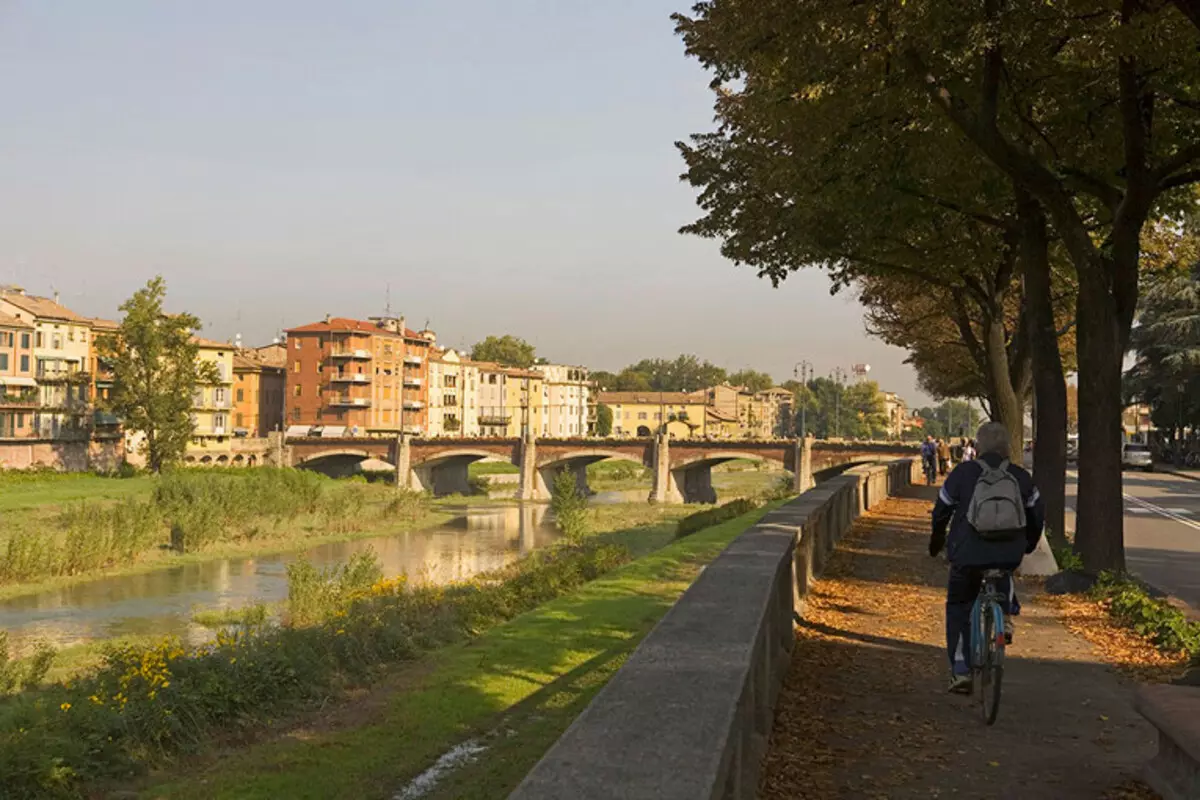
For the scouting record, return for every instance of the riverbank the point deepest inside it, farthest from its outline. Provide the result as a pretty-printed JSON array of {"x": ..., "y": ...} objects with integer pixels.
[{"x": 506, "y": 695}]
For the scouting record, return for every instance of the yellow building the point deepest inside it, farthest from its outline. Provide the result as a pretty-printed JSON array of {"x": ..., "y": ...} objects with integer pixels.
[
  {"x": 524, "y": 400},
  {"x": 212, "y": 403},
  {"x": 642, "y": 414}
]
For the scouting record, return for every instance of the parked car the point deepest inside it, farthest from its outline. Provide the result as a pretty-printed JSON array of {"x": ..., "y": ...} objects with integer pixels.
[
  {"x": 1138, "y": 456},
  {"x": 1072, "y": 449}
]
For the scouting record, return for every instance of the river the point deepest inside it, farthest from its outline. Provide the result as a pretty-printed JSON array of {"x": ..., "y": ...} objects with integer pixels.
[{"x": 162, "y": 602}]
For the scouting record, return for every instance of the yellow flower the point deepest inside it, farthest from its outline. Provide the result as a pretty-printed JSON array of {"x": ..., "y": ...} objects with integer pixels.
[
  {"x": 165, "y": 684},
  {"x": 233, "y": 660},
  {"x": 65, "y": 706},
  {"x": 340, "y": 631}
]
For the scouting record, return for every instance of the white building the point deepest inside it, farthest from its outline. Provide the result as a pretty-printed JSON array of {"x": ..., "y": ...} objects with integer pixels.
[
  {"x": 453, "y": 395},
  {"x": 566, "y": 396}
]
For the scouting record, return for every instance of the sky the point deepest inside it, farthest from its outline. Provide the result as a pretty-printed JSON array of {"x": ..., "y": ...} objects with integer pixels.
[{"x": 487, "y": 167}]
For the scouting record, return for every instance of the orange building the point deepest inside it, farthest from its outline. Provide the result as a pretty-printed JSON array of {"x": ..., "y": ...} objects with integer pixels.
[
  {"x": 18, "y": 387},
  {"x": 358, "y": 377},
  {"x": 259, "y": 384}
]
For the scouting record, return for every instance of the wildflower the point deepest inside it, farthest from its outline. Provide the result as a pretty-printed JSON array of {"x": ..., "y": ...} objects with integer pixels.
[
  {"x": 233, "y": 660},
  {"x": 65, "y": 706},
  {"x": 96, "y": 700}
]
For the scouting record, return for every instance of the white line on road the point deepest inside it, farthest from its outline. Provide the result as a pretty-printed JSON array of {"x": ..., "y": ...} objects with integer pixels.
[{"x": 1166, "y": 512}]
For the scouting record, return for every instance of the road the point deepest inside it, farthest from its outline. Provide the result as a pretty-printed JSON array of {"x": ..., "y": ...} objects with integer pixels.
[{"x": 1162, "y": 530}]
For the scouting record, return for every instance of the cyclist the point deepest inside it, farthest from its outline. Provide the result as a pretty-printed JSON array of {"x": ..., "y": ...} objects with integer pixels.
[
  {"x": 970, "y": 554},
  {"x": 929, "y": 458}
]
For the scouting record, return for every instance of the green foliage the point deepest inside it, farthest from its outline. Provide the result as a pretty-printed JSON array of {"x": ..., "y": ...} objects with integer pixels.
[
  {"x": 1153, "y": 617},
  {"x": 1066, "y": 558},
  {"x": 17, "y": 676},
  {"x": 715, "y": 516},
  {"x": 753, "y": 380},
  {"x": 1167, "y": 340},
  {"x": 951, "y": 418},
  {"x": 509, "y": 350},
  {"x": 317, "y": 595},
  {"x": 833, "y": 409},
  {"x": 604, "y": 420},
  {"x": 156, "y": 371},
  {"x": 407, "y": 505},
  {"x": 568, "y": 505},
  {"x": 146, "y": 703},
  {"x": 251, "y": 616}
]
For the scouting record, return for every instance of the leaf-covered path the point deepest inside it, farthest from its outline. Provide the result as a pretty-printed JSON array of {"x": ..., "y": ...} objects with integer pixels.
[{"x": 864, "y": 712}]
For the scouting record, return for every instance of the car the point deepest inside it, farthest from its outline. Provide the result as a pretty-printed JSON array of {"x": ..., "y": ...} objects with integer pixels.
[
  {"x": 1138, "y": 456},
  {"x": 1072, "y": 449}
]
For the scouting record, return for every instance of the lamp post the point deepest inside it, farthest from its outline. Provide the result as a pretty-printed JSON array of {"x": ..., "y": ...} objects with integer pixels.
[
  {"x": 839, "y": 376},
  {"x": 803, "y": 372}
]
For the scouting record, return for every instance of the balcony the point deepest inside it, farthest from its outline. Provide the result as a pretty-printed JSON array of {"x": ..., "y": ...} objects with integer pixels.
[
  {"x": 412, "y": 380},
  {"x": 347, "y": 352},
  {"x": 27, "y": 400},
  {"x": 65, "y": 372},
  {"x": 344, "y": 401},
  {"x": 495, "y": 419},
  {"x": 357, "y": 377},
  {"x": 105, "y": 419},
  {"x": 413, "y": 405},
  {"x": 414, "y": 361}
]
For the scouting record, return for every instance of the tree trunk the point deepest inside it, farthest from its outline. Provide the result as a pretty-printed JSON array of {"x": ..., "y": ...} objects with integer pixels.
[
  {"x": 1050, "y": 385},
  {"x": 1008, "y": 403},
  {"x": 1099, "y": 528}
]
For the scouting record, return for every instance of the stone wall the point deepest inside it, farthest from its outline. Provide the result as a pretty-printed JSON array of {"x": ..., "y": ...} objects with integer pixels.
[
  {"x": 689, "y": 713},
  {"x": 67, "y": 456}
]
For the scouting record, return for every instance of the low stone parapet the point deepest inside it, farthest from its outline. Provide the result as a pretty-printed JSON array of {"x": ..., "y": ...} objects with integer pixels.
[
  {"x": 689, "y": 713},
  {"x": 1174, "y": 772}
]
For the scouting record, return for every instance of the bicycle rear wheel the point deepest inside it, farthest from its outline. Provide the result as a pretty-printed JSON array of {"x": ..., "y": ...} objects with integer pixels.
[{"x": 991, "y": 668}]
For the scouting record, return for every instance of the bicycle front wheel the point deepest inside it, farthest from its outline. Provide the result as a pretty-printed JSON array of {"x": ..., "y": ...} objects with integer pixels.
[{"x": 991, "y": 670}]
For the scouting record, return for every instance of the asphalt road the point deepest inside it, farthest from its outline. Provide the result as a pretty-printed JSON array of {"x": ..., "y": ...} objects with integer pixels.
[{"x": 1162, "y": 530}]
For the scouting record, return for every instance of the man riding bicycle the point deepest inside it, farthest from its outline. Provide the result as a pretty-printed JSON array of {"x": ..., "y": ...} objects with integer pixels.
[{"x": 972, "y": 551}]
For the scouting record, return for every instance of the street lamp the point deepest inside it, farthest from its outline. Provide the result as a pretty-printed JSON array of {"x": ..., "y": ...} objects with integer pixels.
[
  {"x": 803, "y": 371},
  {"x": 839, "y": 377}
]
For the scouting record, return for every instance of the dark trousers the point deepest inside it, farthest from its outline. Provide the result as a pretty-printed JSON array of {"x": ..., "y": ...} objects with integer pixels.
[{"x": 962, "y": 587}]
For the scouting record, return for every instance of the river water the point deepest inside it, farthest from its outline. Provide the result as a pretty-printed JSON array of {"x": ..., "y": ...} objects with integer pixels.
[{"x": 162, "y": 602}]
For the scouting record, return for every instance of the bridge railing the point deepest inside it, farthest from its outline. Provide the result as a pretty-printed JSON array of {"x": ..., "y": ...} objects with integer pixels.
[{"x": 689, "y": 713}]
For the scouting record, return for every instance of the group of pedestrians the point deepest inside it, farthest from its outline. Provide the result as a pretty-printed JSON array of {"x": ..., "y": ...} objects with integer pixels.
[{"x": 938, "y": 455}]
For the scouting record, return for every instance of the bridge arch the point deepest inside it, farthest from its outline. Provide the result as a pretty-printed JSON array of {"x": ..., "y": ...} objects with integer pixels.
[
  {"x": 336, "y": 463},
  {"x": 712, "y": 458}
]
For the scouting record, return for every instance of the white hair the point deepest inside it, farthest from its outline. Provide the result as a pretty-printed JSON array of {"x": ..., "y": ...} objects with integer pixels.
[{"x": 993, "y": 438}]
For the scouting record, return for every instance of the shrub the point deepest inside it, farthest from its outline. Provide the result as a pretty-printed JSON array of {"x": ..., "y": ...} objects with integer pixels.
[
  {"x": 251, "y": 616},
  {"x": 406, "y": 504},
  {"x": 714, "y": 516},
  {"x": 1155, "y": 618},
  {"x": 16, "y": 675},
  {"x": 568, "y": 505},
  {"x": 316, "y": 595}
]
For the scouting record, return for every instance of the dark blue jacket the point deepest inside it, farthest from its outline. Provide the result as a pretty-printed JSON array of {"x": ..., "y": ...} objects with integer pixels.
[{"x": 964, "y": 546}]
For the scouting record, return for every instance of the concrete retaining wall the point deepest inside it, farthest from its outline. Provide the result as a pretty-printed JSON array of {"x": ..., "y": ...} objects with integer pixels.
[
  {"x": 64, "y": 455},
  {"x": 689, "y": 714}
]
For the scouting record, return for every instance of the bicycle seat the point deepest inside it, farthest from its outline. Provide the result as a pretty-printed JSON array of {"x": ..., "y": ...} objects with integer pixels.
[{"x": 996, "y": 573}]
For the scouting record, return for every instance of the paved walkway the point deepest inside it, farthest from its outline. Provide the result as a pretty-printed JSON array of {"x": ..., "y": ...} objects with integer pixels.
[{"x": 864, "y": 712}]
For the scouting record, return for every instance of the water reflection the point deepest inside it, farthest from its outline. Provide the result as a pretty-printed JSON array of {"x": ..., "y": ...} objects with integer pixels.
[{"x": 161, "y": 602}]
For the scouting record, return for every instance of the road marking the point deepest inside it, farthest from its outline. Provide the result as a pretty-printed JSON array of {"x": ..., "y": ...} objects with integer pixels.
[{"x": 1166, "y": 512}]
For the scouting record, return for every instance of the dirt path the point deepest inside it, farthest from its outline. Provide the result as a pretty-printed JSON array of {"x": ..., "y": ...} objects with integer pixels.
[{"x": 864, "y": 712}]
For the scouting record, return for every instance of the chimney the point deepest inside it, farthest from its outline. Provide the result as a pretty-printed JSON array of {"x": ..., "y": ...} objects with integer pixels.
[
  {"x": 56, "y": 296},
  {"x": 328, "y": 317}
]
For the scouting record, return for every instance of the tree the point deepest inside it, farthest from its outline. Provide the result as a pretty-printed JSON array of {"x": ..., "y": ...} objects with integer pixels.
[
  {"x": 603, "y": 380},
  {"x": 156, "y": 370},
  {"x": 1166, "y": 373},
  {"x": 1085, "y": 112},
  {"x": 604, "y": 420},
  {"x": 631, "y": 380},
  {"x": 508, "y": 350},
  {"x": 753, "y": 380}
]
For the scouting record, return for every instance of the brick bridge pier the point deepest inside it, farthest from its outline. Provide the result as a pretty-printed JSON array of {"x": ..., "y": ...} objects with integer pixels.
[{"x": 681, "y": 470}]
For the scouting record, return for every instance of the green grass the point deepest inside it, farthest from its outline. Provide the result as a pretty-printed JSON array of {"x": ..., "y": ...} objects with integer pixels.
[
  {"x": 35, "y": 495},
  {"x": 478, "y": 468},
  {"x": 516, "y": 688}
]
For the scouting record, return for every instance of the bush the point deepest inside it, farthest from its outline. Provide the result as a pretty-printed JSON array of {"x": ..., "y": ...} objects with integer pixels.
[
  {"x": 714, "y": 516},
  {"x": 316, "y": 595},
  {"x": 145, "y": 703},
  {"x": 1163, "y": 624},
  {"x": 568, "y": 505},
  {"x": 18, "y": 676},
  {"x": 407, "y": 505}
]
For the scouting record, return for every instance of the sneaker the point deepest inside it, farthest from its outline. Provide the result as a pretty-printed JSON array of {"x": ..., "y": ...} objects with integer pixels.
[
  {"x": 961, "y": 684},
  {"x": 1008, "y": 630}
]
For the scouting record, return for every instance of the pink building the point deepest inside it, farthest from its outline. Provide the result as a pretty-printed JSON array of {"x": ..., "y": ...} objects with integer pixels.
[{"x": 18, "y": 388}]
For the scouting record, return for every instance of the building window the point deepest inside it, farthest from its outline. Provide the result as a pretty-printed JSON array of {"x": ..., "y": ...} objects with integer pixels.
[
  {"x": 41, "y": 339},
  {"x": 296, "y": 390},
  {"x": 296, "y": 413},
  {"x": 296, "y": 365},
  {"x": 24, "y": 363},
  {"x": 56, "y": 341},
  {"x": 219, "y": 397},
  {"x": 70, "y": 334},
  {"x": 240, "y": 397},
  {"x": 24, "y": 341},
  {"x": 642, "y": 415},
  {"x": 239, "y": 420},
  {"x": 297, "y": 341},
  {"x": 6, "y": 339},
  {"x": 3, "y": 361}
]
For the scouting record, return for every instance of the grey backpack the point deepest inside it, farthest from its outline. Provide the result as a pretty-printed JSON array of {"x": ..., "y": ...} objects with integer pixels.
[{"x": 997, "y": 511}]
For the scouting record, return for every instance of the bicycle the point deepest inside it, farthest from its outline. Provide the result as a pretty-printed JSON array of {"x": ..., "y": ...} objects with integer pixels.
[{"x": 987, "y": 643}]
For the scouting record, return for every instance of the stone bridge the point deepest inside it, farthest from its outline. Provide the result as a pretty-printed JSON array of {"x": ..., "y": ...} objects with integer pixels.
[{"x": 681, "y": 468}]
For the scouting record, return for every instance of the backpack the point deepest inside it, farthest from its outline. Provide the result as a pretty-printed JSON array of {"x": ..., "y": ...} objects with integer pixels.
[{"x": 997, "y": 511}]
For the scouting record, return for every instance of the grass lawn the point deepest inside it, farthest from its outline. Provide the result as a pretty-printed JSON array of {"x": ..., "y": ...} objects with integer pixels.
[
  {"x": 31, "y": 495},
  {"x": 514, "y": 690}
]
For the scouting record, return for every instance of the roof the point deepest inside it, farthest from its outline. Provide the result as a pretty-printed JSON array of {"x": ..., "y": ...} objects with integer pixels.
[
  {"x": 648, "y": 398},
  {"x": 257, "y": 360},
  {"x": 719, "y": 416},
  {"x": 101, "y": 324},
  {"x": 211, "y": 344},
  {"x": 12, "y": 322},
  {"x": 348, "y": 325},
  {"x": 776, "y": 390},
  {"x": 42, "y": 307}
]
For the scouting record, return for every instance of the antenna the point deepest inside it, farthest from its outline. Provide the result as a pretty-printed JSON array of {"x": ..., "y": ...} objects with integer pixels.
[
  {"x": 387, "y": 309},
  {"x": 426, "y": 324}
]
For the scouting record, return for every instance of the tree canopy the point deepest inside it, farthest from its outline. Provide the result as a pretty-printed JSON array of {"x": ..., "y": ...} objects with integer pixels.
[{"x": 509, "y": 350}]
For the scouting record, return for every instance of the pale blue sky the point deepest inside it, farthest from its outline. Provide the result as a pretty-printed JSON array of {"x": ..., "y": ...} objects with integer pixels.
[{"x": 506, "y": 167}]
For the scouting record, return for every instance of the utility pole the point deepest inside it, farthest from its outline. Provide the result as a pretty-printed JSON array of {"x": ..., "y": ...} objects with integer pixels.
[{"x": 802, "y": 371}]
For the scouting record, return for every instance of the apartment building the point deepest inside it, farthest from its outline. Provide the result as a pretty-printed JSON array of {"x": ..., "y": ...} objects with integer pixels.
[
  {"x": 642, "y": 414},
  {"x": 897, "y": 414},
  {"x": 105, "y": 424},
  {"x": 758, "y": 415},
  {"x": 358, "y": 377},
  {"x": 18, "y": 389},
  {"x": 511, "y": 400},
  {"x": 259, "y": 383},
  {"x": 61, "y": 352},
  {"x": 453, "y": 395},
  {"x": 566, "y": 400},
  {"x": 212, "y": 403}
]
